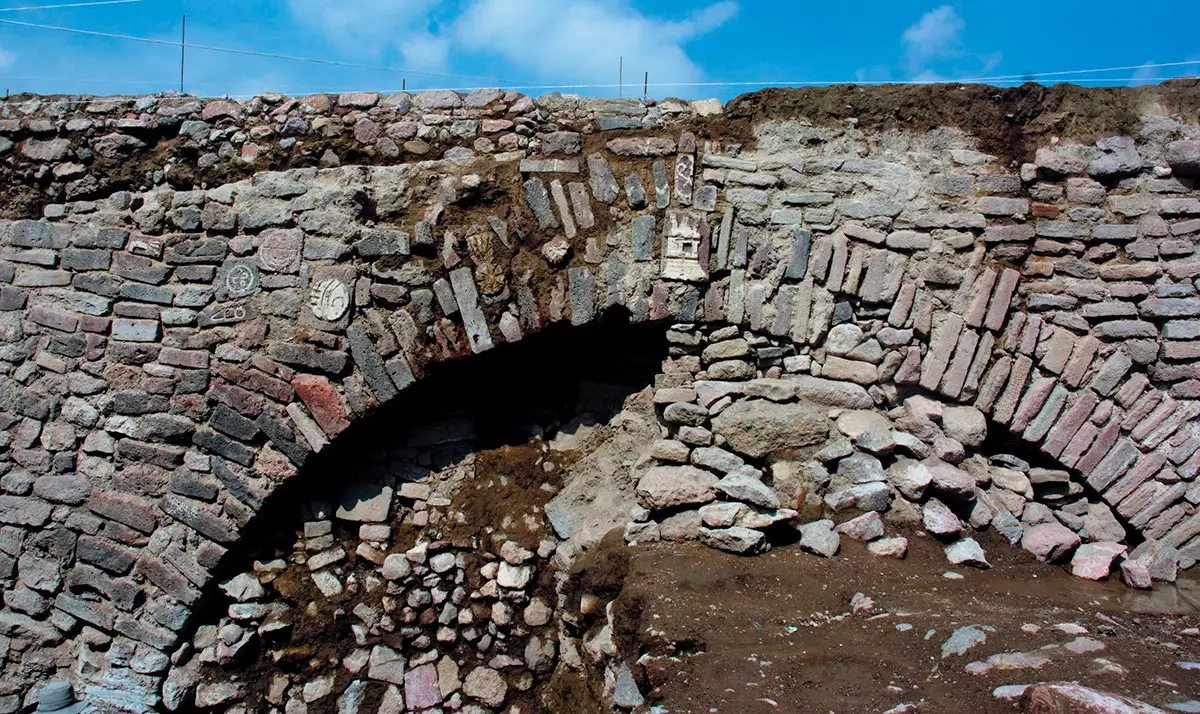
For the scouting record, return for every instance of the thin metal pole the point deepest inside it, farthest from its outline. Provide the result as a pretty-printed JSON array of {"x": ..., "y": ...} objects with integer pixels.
[
  {"x": 645, "y": 85},
  {"x": 403, "y": 85},
  {"x": 621, "y": 78},
  {"x": 182, "y": 52}
]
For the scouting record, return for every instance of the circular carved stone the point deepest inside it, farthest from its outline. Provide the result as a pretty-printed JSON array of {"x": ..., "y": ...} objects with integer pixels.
[
  {"x": 240, "y": 280},
  {"x": 329, "y": 299}
]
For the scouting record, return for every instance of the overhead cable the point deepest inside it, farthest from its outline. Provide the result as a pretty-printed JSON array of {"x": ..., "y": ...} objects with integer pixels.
[{"x": 248, "y": 53}]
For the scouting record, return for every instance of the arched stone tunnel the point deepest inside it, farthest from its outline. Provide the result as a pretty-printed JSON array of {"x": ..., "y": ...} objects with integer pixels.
[{"x": 181, "y": 339}]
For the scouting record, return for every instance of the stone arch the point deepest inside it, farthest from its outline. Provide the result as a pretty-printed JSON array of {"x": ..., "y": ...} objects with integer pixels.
[{"x": 234, "y": 331}]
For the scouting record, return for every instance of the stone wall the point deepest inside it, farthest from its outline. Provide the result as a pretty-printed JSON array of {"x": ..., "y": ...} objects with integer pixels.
[{"x": 170, "y": 357}]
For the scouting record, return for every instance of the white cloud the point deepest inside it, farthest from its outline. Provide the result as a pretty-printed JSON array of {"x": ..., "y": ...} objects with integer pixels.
[
  {"x": 365, "y": 25},
  {"x": 560, "y": 42},
  {"x": 426, "y": 51},
  {"x": 937, "y": 35},
  {"x": 582, "y": 41},
  {"x": 7, "y": 59},
  {"x": 701, "y": 23}
]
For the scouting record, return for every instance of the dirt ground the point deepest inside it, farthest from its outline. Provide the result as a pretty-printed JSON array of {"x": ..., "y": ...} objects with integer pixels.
[{"x": 775, "y": 633}]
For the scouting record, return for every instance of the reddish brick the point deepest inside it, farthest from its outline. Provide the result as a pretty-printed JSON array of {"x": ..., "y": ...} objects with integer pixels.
[
  {"x": 323, "y": 402},
  {"x": 1046, "y": 210}
]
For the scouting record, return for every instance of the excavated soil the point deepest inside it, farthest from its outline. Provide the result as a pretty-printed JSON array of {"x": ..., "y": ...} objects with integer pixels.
[
  {"x": 1010, "y": 122},
  {"x": 775, "y": 633}
]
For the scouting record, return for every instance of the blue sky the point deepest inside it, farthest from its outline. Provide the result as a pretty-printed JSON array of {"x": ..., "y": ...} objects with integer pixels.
[{"x": 538, "y": 43}]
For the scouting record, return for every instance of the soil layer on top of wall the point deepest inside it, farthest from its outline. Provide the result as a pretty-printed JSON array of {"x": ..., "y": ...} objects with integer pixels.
[{"x": 1010, "y": 122}]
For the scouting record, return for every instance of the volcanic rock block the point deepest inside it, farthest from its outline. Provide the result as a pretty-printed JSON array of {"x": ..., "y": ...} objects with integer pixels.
[
  {"x": 965, "y": 424},
  {"x": 1050, "y": 542},
  {"x": 830, "y": 393},
  {"x": 866, "y": 527},
  {"x": 1069, "y": 698},
  {"x": 861, "y": 468},
  {"x": 910, "y": 478},
  {"x": 875, "y": 496},
  {"x": 1184, "y": 157},
  {"x": 742, "y": 486},
  {"x": 722, "y": 515},
  {"x": 665, "y": 487},
  {"x": 742, "y": 541},
  {"x": 963, "y": 639},
  {"x": 386, "y": 665},
  {"x": 366, "y": 503},
  {"x": 889, "y": 547},
  {"x": 940, "y": 520},
  {"x": 1093, "y": 561},
  {"x": 757, "y": 427},
  {"x": 1135, "y": 574},
  {"x": 819, "y": 537},
  {"x": 949, "y": 480},
  {"x": 967, "y": 552},
  {"x": 487, "y": 685}
]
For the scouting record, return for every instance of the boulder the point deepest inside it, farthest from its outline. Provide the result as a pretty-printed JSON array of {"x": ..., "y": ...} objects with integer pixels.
[
  {"x": 717, "y": 459},
  {"x": 1070, "y": 698},
  {"x": 682, "y": 526},
  {"x": 965, "y": 424},
  {"x": 842, "y": 339},
  {"x": 830, "y": 393},
  {"x": 1102, "y": 525},
  {"x": 741, "y": 486},
  {"x": 820, "y": 538},
  {"x": 366, "y": 503},
  {"x": 875, "y": 496},
  {"x": 1008, "y": 526},
  {"x": 1184, "y": 157},
  {"x": 757, "y": 427},
  {"x": 1011, "y": 480},
  {"x": 487, "y": 685},
  {"x": 868, "y": 526},
  {"x": 1050, "y": 542},
  {"x": 963, "y": 639},
  {"x": 1093, "y": 561},
  {"x": 1135, "y": 574},
  {"x": 940, "y": 520},
  {"x": 758, "y": 519},
  {"x": 861, "y": 468},
  {"x": 1161, "y": 560},
  {"x": 685, "y": 414},
  {"x": 722, "y": 515},
  {"x": 967, "y": 552},
  {"x": 672, "y": 486},
  {"x": 743, "y": 541},
  {"x": 856, "y": 422},
  {"x": 625, "y": 691},
  {"x": 889, "y": 547},
  {"x": 910, "y": 478},
  {"x": 949, "y": 480}
]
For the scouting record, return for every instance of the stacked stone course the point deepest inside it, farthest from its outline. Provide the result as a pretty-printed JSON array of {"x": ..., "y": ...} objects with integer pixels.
[{"x": 169, "y": 357}]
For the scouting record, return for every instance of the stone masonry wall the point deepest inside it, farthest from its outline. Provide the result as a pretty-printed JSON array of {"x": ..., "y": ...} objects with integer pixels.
[{"x": 169, "y": 357}]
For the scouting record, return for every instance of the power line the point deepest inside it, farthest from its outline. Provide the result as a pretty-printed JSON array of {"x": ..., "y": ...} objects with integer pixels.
[
  {"x": 248, "y": 53},
  {"x": 963, "y": 80},
  {"x": 73, "y": 4},
  {"x": 93, "y": 80}
]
